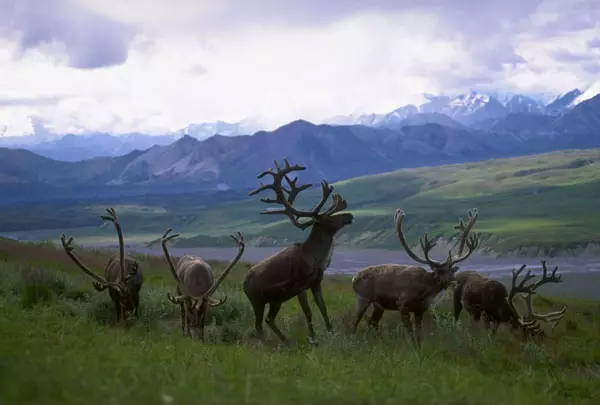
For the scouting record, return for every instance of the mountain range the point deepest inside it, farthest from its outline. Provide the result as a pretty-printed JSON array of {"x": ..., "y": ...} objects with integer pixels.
[
  {"x": 465, "y": 109},
  {"x": 333, "y": 152},
  {"x": 457, "y": 111}
]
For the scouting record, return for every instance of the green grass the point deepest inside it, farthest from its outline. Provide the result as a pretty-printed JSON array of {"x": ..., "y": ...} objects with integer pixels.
[
  {"x": 548, "y": 202},
  {"x": 59, "y": 345}
]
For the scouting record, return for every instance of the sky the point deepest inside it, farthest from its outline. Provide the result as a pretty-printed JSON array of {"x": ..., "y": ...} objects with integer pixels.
[{"x": 155, "y": 66}]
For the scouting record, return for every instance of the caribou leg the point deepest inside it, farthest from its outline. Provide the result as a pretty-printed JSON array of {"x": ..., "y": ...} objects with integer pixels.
[
  {"x": 418, "y": 327},
  {"x": 376, "y": 317},
  {"x": 407, "y": 322},
  {"x": 259, "y": 312},
  {"x": 317, "y": 293},
  {"x": 303, "y": 299},
  {"x": 274, "y": 308},
  {"x": 458, "y": 306},
  {"x": 136, "y": 304},
  {"x": 361, "y": 307},
  {"x": 182, "y": 315}
]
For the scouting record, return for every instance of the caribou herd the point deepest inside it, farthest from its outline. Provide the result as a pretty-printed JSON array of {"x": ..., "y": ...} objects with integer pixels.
[{"x": 300, "y": 267}]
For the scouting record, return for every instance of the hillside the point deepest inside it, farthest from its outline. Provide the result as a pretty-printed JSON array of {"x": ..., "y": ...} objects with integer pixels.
[
  {"x": 60, "y": 345},
  {"x": 541, "y": 204},
  {"x": 334, "y": 152}
]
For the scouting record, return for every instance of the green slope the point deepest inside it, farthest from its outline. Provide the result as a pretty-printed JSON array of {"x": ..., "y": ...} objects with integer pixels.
[{"x": 546, "y": 202}]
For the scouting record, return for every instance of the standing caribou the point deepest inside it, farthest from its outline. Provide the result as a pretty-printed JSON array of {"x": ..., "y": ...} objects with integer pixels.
[
  {"x": 122, "y": 275},
  {"x": 483, "y": 296},
  {"x": 195, "y": 286},
  {"x": 408, "y": 288},
  {"x": 300, "y": 266}
]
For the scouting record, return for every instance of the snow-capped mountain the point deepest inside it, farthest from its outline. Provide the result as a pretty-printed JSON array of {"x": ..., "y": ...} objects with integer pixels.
[
  {"x": 461, "y": 109},
  {"x": 523, "y": 104},
  {"x": 563, "y": 101},
  {"x": 205, "y": 130}
]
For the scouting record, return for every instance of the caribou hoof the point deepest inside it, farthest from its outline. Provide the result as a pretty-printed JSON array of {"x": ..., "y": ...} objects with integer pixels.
[{"x": 312, "y": 341}]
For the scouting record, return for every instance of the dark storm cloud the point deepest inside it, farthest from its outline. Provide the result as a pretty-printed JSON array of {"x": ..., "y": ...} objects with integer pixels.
[{"x": 91, "y": 41}]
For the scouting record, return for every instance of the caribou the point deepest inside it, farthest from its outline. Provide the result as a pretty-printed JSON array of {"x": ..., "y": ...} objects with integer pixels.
[
  {"x": 122, "y": 274},
  {"x": 195, "y": 285},
  {"x": 480, "y": 295},
  {"x": 299, "y": 267},
  {"x": 408, "y": 288}
]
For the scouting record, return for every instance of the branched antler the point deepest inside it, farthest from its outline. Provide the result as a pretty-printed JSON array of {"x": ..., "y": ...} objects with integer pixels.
[
  {"x": 100, "y": 283},
  {"x": 286, "y": 196},
  {"x": 238, "y": 238},
  {"x": 471, "y": 241},
  {"x": 530, "y": 319},
  {"x": 112, "y": 217}
]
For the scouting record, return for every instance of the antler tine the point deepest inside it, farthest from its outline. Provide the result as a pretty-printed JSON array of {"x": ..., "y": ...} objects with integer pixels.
[
  {"x": 163, "y": 242},
  {"x": 326, "y": 190},
  {"x": 532, "y": 325},
  {"x": 337, "y": 204},
  {"x": 68, "y": 247},
  {"x": 280, "y": 194},
  {"x": 241, "y": 244},
  {"x": 398, "y": 220},
  {"x": 553, "y": 278},
  {"x": 294, "y": 190},
  {"x": 426, "y": 246},
  {"x": 112, "y": 216},
  {"x": 471, "y": 241},
  {"x": 553, "y": 318}
]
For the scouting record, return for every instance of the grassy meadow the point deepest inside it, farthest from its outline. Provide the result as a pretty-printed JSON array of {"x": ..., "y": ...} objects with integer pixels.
[
  {"x": 59, "y": 345},
  {"x": 540, "y": 204}
]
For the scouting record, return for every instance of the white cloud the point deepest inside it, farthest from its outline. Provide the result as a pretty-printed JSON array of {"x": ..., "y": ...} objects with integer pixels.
[{"x": 369, "y": 61}]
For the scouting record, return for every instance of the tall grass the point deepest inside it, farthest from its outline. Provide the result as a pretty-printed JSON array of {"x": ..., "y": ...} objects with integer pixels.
[{"x": 67, "y": 349}]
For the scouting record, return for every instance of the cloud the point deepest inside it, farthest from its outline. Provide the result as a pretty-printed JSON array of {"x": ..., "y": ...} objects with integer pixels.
[
  {"x": 207, "y": 60},
  {"x": 26, "y": 102},
  {"x": 564, "y": 55},
  {"x": 594, "y": 43},
  {"x": 87, "y": 39}
]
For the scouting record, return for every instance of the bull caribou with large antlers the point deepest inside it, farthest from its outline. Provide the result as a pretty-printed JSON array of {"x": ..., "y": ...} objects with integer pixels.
[
  {"x": 480, "y": 295},
  {"x": 195, "y": 285},
  {"x": 300, "y": 266},
  {"x": 122, "y": 275},
  {"x": 407, "y": 288}
]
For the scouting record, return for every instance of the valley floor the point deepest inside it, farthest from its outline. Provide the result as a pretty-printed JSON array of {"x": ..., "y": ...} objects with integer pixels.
[{"x": 59, "y": 345}]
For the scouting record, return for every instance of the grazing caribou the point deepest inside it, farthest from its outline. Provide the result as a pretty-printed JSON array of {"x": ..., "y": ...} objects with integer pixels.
[
  {"x": 122, "y": 274},
  {"x": 195, "y": 285},
  {"x": 480, "y": 295}
]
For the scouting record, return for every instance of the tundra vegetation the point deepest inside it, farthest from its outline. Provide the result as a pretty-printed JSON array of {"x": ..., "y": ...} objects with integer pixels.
[
  {"x": 58, "y": 345},
  {"x": 53, "y": 329}
]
